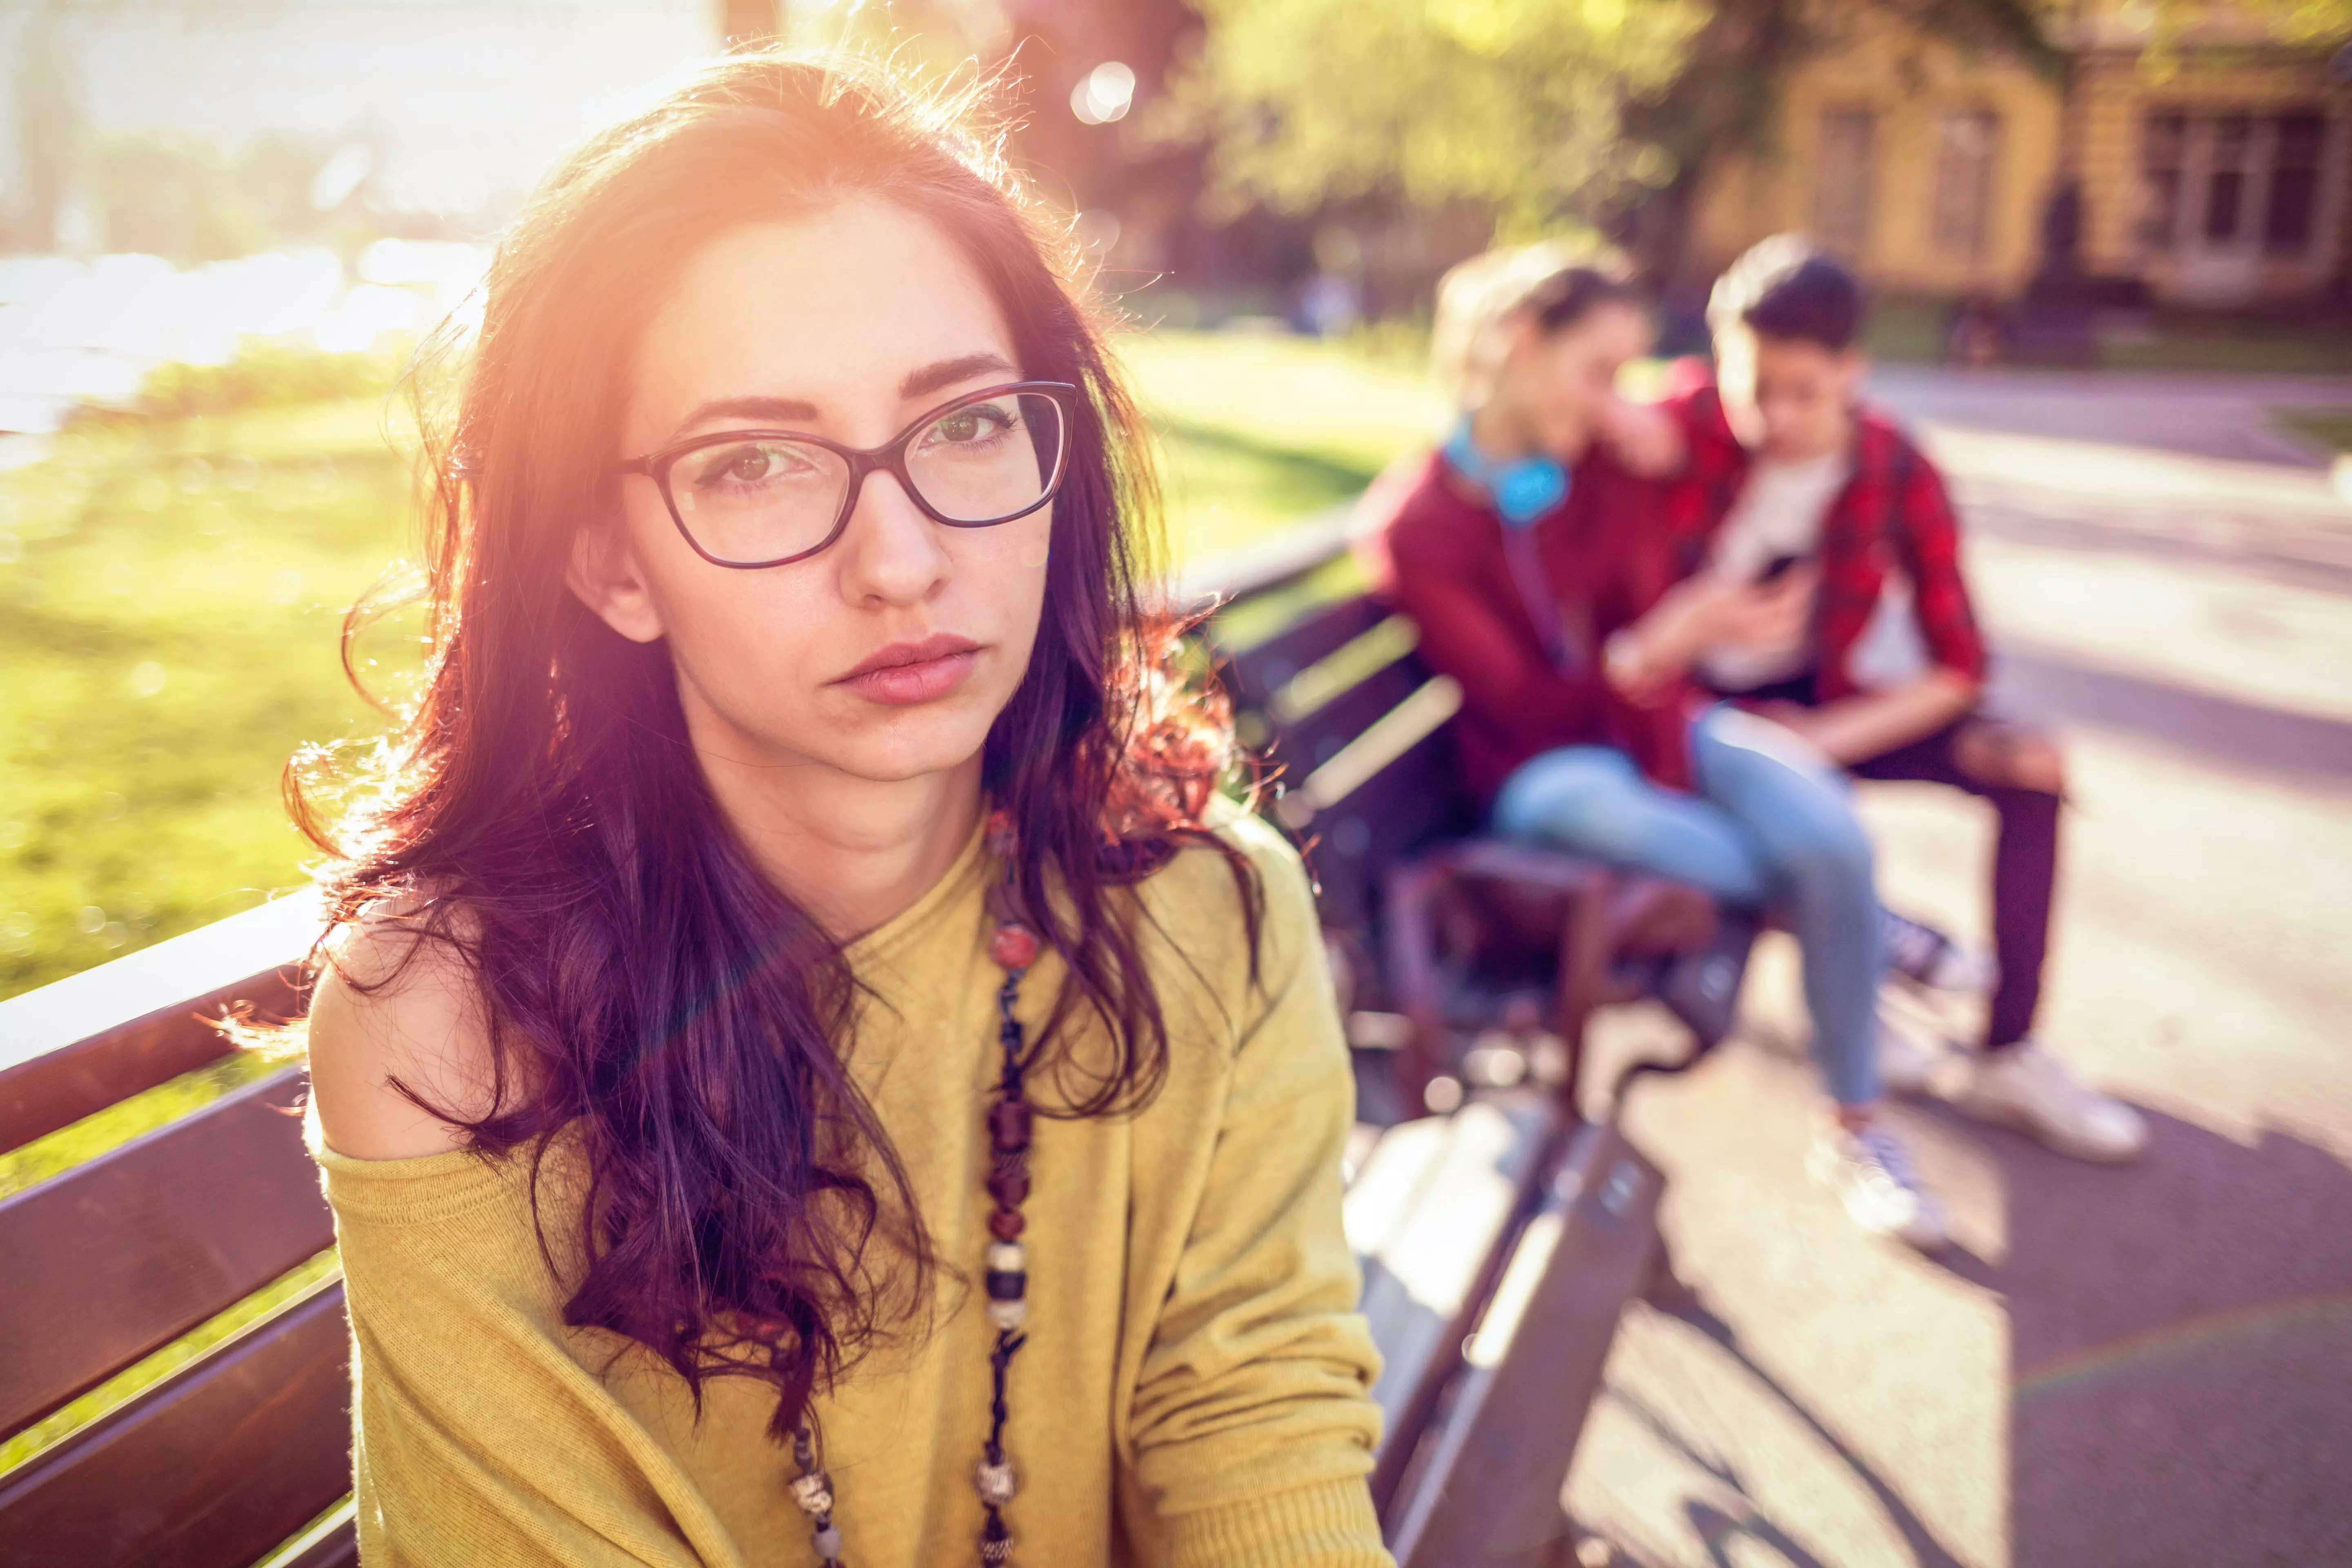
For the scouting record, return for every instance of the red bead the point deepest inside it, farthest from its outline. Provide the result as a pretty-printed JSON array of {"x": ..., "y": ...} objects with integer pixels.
[
  {"x": 1008, "y": 1185},
  {"x": 1014, "y": 946},
  {"x": 1000, "y": 832},
  {"x": 1008, "y": 1126},
  {"x": 1006, "y": 1225}
]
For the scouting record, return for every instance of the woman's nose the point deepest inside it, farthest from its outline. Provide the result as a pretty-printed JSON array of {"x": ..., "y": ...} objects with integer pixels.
[{"x": 891, "y": 552}]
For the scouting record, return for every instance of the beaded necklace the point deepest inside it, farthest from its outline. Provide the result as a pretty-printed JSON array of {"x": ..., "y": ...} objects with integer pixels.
[{"x": 1013, "y": 946}]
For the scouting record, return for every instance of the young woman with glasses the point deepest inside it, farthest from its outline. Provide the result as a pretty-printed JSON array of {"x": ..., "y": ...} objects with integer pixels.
[{"x": 806, "y": 1069}]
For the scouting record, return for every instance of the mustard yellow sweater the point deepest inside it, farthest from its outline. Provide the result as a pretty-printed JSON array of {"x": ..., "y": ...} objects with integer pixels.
[{"x": 1193, "y": 1391}]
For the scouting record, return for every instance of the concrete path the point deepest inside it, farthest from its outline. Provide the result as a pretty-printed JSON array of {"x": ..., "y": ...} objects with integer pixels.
[
  {"x": 2136, "y": 1367},
  {"x": 2206, "y": 416}
]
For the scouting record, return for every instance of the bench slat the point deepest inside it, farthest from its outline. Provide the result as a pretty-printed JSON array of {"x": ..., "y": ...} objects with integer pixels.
[
  {"x": 1385, "y": 821},
  {"x": 209, "y": 1470},
  {"x": 120, "y": 1255},
  {"x": 1254, "y": 674},
  {"x": 76, "y": 1047},
  {"x": 1428, "y": 1214},
  {"x": 1486, "y": 1487},
  {"x": 332, "y": 1543}
]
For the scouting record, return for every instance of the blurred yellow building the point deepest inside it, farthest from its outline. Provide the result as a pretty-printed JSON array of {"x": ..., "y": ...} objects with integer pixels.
[{"x": 2212, "y": 166}]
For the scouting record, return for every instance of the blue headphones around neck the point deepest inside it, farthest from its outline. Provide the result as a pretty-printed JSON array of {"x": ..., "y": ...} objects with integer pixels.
[{"x": 1522, "y": 488}]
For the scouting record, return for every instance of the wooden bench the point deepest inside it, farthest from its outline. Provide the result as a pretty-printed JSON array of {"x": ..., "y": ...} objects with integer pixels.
[
  {"x": 247, "y": 1446},
  {"x": 1499, "y": 1242}
]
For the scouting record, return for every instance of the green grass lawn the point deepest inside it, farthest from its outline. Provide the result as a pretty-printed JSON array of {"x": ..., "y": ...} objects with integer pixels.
[
  {"x": 171, "y": 596},
  {"x": 1259, "y": 431},
  {"x": 2330, "y": 428},
  {"x": 170, "y": 599}
]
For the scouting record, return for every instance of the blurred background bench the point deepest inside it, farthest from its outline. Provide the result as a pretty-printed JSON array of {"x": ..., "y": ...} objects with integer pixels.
[{"x": 1502, "y": 1237}]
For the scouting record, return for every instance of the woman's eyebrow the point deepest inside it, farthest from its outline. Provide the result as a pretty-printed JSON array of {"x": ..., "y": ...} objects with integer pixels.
[
  {"x": 946, "y": 372},
  {"x": 920, "y": 382},
  {"x": 769, "y": 410}
]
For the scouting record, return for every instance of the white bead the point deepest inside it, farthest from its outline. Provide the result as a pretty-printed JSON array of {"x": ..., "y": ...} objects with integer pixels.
[
  {"x": 995, "y": 1483},
  {"x": 1008, "y": 1257},
  {"x": 814, "y": 1493},
  {"x": 1007, "y": 1315}
]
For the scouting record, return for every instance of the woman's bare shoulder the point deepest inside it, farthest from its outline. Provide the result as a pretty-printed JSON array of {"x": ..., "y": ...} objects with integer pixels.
[{"x": 393, "y": 1002}]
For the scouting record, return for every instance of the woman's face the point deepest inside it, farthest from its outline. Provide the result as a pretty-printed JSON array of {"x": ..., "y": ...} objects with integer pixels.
[
  {"x": 887, "y": 655},
  {"x": 1561, "y": 380}
]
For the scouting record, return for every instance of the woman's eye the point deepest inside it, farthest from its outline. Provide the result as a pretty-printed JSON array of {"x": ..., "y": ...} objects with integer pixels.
[
  {"x": 747, "y": 465},
  {"x": 967, "y": 425}
]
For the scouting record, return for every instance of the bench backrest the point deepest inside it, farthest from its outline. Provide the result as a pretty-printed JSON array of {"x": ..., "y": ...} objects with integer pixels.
[
  {"x": 1354, "y": 725},
  {"x": 222, "y": 1458}
]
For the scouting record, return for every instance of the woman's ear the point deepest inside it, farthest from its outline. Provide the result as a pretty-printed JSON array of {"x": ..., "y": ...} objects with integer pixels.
[{"x": 603, "y": 574}]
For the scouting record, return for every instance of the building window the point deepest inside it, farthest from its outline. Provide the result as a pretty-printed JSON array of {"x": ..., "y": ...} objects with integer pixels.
[
  {"x": 2164, "y": 141},
  {"x": 2231, "y": 182},
  {"x": 2225, "y": 191},
  {"x": 2289, "y": 216},
  {"x": 1842, "y": 175},
  {"x": 1965, "y": 142}
]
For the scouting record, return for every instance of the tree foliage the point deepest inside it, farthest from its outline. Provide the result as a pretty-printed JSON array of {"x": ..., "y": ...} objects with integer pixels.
[
  {"x": 1543, "y": 110},
  {"x": 1512, "y": 105}
]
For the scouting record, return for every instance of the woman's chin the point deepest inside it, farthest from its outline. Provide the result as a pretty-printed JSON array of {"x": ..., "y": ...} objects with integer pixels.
[{"x": 910, "y": 743}]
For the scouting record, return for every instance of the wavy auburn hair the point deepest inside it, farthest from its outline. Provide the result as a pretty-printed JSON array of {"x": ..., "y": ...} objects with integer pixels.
[{"x": 542, "y": 816}]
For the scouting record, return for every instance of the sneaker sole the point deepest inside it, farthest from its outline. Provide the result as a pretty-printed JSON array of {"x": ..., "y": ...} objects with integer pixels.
[
  {"x": 1994, "y": 1113},
  {"x": 1824, "y": 1168}
]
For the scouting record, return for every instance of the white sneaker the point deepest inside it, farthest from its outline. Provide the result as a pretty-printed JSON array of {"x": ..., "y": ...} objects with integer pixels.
[
  {"x": 1873, "y": 1177},
  {"x": 1923, "y": 956},
  {"x": 1906, "y": 1064},
  {"x": 2024, "y": 1087}
]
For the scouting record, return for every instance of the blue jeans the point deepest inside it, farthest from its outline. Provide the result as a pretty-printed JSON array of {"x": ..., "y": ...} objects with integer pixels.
[{"x": 1770, "y": 828}]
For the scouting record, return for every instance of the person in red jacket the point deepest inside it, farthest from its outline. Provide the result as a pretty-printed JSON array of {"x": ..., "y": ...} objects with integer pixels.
[
  {"x": 1825, "y": 590},
  {"x": 1521, "y": 549}
]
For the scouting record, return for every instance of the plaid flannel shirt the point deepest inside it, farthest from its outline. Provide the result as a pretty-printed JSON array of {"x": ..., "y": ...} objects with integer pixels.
[{"x": 1892, "y": 513}]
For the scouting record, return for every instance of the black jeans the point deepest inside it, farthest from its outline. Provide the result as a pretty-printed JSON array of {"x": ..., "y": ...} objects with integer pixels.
[{"x": 2024, "y": 869}]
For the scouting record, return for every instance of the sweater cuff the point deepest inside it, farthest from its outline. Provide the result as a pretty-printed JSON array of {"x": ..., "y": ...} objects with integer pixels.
[{"x": 1328, "y": 1525}]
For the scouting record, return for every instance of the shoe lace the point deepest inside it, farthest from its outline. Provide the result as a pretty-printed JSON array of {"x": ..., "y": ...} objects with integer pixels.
[
  {"x": 1889, "y": 1157},
  {"x": 1912, "y": 948}
]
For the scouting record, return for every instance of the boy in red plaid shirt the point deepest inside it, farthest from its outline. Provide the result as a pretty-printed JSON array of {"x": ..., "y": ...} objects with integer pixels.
[{"x": 1822, "y": 588}]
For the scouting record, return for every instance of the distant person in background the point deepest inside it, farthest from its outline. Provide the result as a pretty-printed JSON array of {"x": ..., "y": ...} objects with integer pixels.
[
  {"x": 1825, "y": 592},
  {"x": 1522, "y": 549}
]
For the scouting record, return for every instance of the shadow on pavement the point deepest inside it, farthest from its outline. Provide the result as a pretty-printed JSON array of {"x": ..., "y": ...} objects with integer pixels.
[
  {"x": 2180, "y": 1354},
  {"x": 1715, "y": 1528},
  {"x": 2299, "y": 555},
  {"x": 2216, "y": 730}
]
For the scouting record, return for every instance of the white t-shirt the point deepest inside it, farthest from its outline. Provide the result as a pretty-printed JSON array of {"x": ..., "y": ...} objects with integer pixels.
[{"x": 1779, "y": 512}]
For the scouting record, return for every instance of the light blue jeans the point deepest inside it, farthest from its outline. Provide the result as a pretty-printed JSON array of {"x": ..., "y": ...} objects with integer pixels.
[{"x": 1771, "y": 826}]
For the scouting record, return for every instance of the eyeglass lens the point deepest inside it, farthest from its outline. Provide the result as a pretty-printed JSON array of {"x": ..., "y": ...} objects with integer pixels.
[{"x": 766, "y": 498}]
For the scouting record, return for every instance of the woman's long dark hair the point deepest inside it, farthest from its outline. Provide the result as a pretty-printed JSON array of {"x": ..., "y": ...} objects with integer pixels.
[{"x": 544, "y": 817}]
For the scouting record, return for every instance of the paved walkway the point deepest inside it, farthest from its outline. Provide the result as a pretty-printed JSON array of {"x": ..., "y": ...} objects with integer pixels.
[
  {"x": 2204, "y": 416},
  {"x": 2141, "y": 1366}
]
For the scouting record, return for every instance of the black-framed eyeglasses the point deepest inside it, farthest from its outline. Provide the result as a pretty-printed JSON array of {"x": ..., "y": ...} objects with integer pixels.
[{"x": 750, "y": 498}]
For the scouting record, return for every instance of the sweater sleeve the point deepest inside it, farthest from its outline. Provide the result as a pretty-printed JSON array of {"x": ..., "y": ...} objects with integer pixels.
[
  {"x": 1927, "y": 543},
  {"x": 1252, "y": 1424},
  {"x": 481, "y": 1435},
  {"x": 1507, "y": 684}
]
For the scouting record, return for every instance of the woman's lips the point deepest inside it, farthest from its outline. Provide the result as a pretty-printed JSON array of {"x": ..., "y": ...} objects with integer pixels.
[{"x": 905, "y": 674}]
